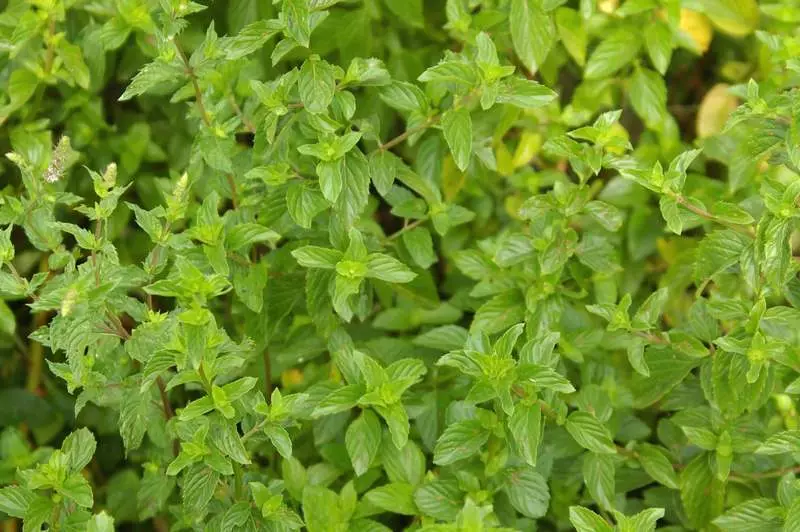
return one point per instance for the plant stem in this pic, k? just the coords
(257, 427)
(407, 133)
(407, 228)
(97, 227)
(237, 481)
(35, 350)
(652, 338)
(234, 195)
(740, 228)
(251, 128)
(204, 379)
(168, 412)
(768, 474)
(267, 374)
(198, 94)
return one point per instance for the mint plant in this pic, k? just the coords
(367, 265)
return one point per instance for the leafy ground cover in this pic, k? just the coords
(370, 265)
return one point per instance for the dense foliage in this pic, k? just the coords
(368, 265)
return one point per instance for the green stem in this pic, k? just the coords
(407, 133)
(407, 228)
(267, 374)
(238, 484)
(198, 94)
(256, 428)
(740, 228)
(97, 229)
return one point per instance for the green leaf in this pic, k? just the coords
(280, 439)
(21, 86)
(79, 448)
(755, 514)
(671, 213)
(304, 203)
(701, 493)
(101, 522)
(451, 72)
(787, 441)
(444, 338)
(614, 52)
(650, 310)
(419, 244)
(409, 11)
(717, 251)
(545, 377)
(39, 511)
(731, 213)
(77, 489)
(525, 425)
(792, 520)
(250, 38)
(528, 492)
(605, 214)
(363, 441)
(14, 500)
(72, 58)
(317, 257)
(657, 465)
(322, 510)
(133, 419)
(499, 313)
(459, 441)
(153, 75)
(389, 269)
(396, 418)
(11, 286)
(395, 497)
(403, 96)
(367, 73)
(406, 465)
(573, 34)
(383, 170)
(247, 234)
(532, 32)
(598, 475)
(199, 484)
(316, 83)
(658, 40)
(524, 93)
(340, 400)
(440, 499)
(648, 95)
(643, 521)
(590, 433)
(298, 23)
(457, 128)
(585, 520)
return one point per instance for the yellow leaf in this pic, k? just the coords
(618, 130)
(667, 250)
(291, 377)
(734, 17)
(505, 167)
(698, 28)
(512, 205)
(607, 6)
(714, 110)
(529, 145)
(452, 179)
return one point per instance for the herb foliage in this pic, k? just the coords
(367, 265)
